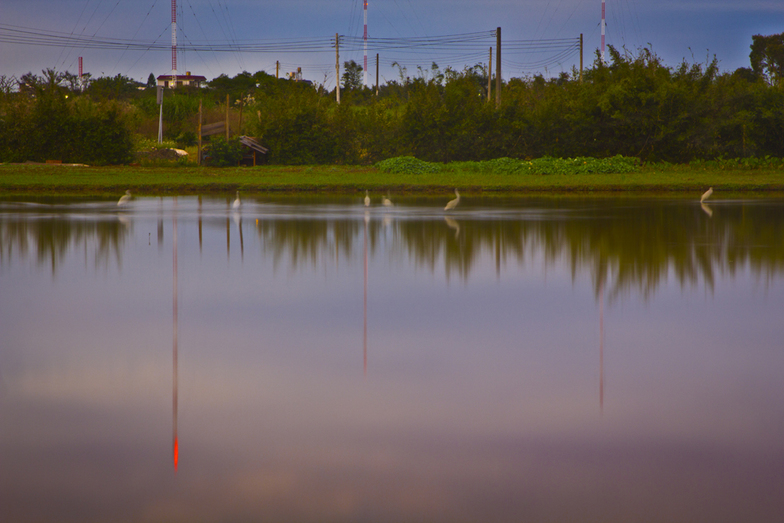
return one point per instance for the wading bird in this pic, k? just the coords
(387, 202)
(125, 198)
(453, 203)
(237, 202)
(367, 199)
(706, 194)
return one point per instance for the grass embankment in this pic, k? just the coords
(468, 176)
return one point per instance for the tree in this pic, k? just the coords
(352, 77)
(767, 57)
(151, 82)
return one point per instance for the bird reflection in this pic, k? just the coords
(238, 221)
(707, 210)
(452, 223)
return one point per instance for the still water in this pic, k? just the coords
(308, 359)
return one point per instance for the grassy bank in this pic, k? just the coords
(62, 179)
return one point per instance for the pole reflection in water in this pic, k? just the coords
(175, 332)
(601, 346)
(364, 296)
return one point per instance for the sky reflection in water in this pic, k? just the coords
(518, 359)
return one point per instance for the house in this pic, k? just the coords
(186, 80)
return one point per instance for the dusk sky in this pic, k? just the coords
(694, 30)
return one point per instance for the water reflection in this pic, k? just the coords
(478, 400)
(636, 244)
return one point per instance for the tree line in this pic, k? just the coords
(633, 105)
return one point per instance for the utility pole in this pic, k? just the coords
(277, 68)
(227, 117)
(498, 67)
(376, 74)
(337, 68)
(159, 99)
(198, 152)
(489, 75)
(581, 57)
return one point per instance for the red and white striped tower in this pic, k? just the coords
(603, 57)
(174, 42)
(365, 41)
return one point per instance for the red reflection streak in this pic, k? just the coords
(176, 454)
(601, 347)
(364, 309)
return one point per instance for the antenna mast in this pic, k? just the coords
(603, 25)
(364, 3)
(174, 41)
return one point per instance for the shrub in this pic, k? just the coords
(406, 165)
(225, 154)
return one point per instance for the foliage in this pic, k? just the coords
(767, 57)
(352, 76)
(224, 153)
(52, 127)
(113, 88)
(633, 106)
(406, 165)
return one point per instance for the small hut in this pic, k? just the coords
(253, 153)
(251, 148)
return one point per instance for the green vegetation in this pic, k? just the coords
(406, 165)
(470, 177)
(632, 107)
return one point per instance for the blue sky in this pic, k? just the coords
(694, 30)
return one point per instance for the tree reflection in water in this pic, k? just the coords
(625, 244)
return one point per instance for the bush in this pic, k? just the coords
(52, 128)
(225, 154)
(406, 165)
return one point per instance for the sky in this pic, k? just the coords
(676, 30)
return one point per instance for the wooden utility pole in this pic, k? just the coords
(376, 74)
(498, 67)
(198, 150)
(581, 57)
(227, 117)
(337, 67)
(277, 68)
(489, 75)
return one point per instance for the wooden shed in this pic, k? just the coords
(251, 148)
(253, 153)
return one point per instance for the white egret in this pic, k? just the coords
(367, 199)
(387, 202)
(453, 203)
(706, 194)
(237, 202)
(125, 198)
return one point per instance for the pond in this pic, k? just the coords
(306, 358)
